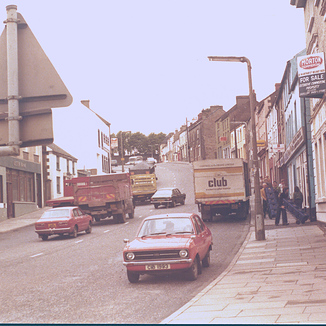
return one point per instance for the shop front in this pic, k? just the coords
(21, 188)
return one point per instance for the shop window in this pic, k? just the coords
(22, 193)
(1, 189)
(15, 188)
(22, 186)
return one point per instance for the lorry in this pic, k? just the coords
(143, 181)
(222, 187)
(100, 196)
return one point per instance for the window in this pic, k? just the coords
(36, 158)
(58, 162)
(58, 186)
(1, 190)
(68, 170)
(23, 187)
(105, 164)
(26, 156)
(196, 226)
(200, 223)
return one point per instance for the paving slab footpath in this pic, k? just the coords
(275, 281)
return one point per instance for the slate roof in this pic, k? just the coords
(58, 150)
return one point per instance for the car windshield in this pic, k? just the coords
(163, 193)
(167, 225)
(58, 213)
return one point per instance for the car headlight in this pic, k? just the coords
(183, 253)
(130, 256)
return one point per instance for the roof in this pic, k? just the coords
(58, 150)
(174, 215)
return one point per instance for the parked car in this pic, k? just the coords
(63, 220)
(114, 163)
(168, 243)
(168, 197)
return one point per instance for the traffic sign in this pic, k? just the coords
(261, 143)
(40, 86)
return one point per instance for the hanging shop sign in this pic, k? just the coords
(311, 73)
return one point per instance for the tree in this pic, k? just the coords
(139, 143)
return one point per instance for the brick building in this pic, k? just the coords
(201, 134)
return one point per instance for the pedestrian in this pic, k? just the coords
(282, 185)
(268, 181)
(263, 196)
(284, 195)
(277, 189)
(297, 197)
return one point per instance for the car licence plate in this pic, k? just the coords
(154, 267)
(51, 225)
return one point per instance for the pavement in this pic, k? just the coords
(275, 281)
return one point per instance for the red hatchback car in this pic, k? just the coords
(178, 242)
(63, 220)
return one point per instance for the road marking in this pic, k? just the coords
(106, 231)
(37, 255)
(79, 241)
(126, 223)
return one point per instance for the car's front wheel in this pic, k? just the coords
(44, 237)
(193, 271)
(74, 233)
(207, 259)
(89, 229)
(133, 277)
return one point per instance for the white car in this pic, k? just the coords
(133, 160)
(151, 161)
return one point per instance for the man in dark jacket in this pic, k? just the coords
(284, 195)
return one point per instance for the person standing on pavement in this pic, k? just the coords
(297, 197)
(277, 189)
(284, 195)
(282, 185)
(263, 196)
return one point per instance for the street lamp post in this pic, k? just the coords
(259, 220)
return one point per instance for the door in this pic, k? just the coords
(10, 204)
(200, 240)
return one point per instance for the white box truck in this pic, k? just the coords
(222, 187)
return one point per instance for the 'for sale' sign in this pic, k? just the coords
(311, 73)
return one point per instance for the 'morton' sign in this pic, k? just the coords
(311, 73)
